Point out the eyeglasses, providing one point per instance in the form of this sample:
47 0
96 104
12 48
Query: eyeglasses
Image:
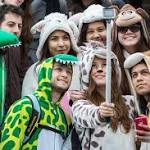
132 28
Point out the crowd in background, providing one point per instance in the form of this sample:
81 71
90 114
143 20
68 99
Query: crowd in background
60 69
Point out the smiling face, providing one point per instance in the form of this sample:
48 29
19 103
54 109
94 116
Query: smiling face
96 31
141 79
129 37
61 76
98 72
14 2
59 43
12 23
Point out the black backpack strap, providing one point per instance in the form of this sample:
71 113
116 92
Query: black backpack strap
33 122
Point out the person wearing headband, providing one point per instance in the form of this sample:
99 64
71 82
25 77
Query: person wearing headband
103 124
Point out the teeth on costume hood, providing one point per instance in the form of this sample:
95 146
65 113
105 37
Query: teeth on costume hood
65 61
12 45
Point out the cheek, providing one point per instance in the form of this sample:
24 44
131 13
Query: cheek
68 44
120 37
52 45
92 75
138 36
88 37
70 78
103 34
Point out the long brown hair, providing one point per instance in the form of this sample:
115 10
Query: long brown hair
26 36
118 50
120 106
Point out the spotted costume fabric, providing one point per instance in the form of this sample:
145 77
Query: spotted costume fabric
89 51
96 133
52 115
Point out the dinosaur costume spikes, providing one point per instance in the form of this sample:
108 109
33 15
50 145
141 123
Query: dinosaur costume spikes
54 114
8 39
65 59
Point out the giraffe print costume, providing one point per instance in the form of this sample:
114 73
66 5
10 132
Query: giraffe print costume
52 114
95 132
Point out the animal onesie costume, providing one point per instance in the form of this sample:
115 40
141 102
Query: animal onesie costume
51 23
53 114
130 62
95 133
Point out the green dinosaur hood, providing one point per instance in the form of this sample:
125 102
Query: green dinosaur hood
45 73
8 39
44 92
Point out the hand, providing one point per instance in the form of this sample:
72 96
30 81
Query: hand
77 95
107 110
143 135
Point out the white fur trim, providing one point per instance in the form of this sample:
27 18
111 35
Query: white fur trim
75 18
52 22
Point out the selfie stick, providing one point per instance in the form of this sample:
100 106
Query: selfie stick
109 13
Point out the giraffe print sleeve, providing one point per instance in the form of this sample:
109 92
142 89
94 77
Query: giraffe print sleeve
15 125
86 114
129 100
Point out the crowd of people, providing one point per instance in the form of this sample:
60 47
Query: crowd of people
53 68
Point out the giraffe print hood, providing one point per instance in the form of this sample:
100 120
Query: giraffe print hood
130 62
89 52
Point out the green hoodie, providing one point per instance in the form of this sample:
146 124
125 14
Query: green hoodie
52 115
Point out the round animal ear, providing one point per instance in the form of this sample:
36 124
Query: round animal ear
74 29
38 27
143 13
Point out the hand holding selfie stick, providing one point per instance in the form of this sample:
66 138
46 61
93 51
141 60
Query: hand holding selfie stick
109 14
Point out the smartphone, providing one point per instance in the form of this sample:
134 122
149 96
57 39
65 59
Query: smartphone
140 120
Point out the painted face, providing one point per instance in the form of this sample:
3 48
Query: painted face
59 42
61 76
97 32
129 37
14 2
98 71
12 23
141 79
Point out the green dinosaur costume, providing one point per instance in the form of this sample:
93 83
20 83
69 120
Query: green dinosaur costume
52 115
6 40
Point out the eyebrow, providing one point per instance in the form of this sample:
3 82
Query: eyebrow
61 65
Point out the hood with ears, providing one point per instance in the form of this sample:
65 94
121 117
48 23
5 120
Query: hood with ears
90 51
91 14
44 91
51 23
127 16
130 62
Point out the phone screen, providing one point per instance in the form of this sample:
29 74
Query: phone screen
109 13
140 120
